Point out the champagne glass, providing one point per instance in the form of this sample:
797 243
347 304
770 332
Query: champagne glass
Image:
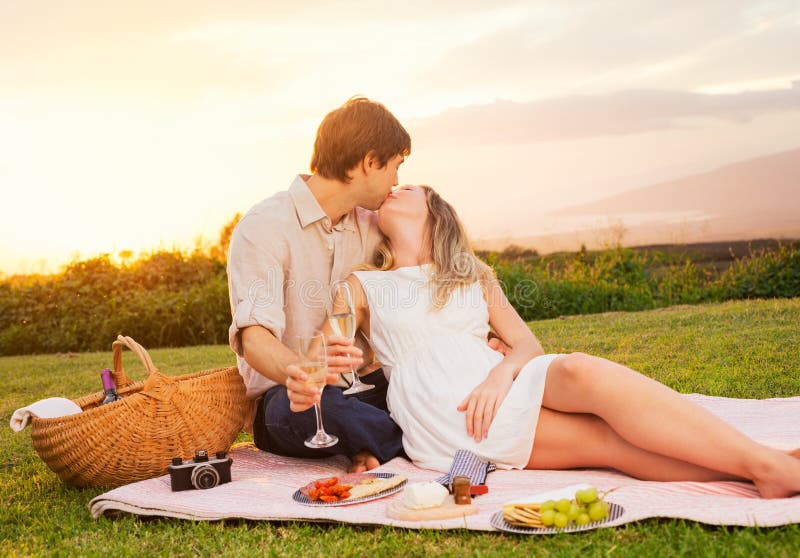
313 360
343 323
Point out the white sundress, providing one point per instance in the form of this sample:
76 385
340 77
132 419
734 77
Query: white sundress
434 358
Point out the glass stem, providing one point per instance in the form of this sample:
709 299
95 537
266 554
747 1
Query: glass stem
356 379
318 412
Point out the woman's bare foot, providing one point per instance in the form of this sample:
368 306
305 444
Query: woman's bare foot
781 477
363 461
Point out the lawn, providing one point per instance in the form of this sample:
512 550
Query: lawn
737 349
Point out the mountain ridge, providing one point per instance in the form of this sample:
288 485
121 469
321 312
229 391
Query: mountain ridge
743 200
720 190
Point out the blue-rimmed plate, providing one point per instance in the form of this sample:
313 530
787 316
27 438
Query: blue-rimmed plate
615 512
301 498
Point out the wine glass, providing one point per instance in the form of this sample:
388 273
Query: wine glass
313 360
343 323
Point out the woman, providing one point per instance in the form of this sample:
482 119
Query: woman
427 309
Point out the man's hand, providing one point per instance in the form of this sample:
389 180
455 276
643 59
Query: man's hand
343 356
497 344
482 404
303 394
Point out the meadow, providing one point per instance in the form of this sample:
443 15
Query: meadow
745 349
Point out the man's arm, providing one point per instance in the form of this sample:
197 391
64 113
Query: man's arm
264 353
272 359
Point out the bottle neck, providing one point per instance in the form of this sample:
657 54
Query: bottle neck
108 380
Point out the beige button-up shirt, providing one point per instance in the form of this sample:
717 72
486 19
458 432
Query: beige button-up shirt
284 256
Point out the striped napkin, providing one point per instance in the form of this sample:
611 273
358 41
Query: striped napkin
467 463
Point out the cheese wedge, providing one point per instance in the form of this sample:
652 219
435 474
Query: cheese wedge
422 495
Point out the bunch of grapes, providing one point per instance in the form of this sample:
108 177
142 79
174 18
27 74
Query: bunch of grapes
587 506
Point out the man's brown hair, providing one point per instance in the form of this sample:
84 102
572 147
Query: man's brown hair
351 132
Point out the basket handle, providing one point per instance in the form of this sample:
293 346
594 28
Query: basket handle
120 378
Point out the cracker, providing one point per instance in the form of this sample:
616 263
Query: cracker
374 486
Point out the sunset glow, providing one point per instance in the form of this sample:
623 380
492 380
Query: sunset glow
142 125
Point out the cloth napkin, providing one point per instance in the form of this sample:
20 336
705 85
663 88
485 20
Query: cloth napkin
46 408
467 463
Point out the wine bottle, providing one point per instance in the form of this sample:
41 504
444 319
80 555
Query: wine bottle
109 387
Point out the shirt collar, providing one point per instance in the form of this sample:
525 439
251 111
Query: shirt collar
308 208
306 205
347 223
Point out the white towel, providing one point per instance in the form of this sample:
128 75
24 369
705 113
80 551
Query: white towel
46 408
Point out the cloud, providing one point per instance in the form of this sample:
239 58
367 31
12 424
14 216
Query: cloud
38 28
602 46
125 50
584 116
185 50
440 54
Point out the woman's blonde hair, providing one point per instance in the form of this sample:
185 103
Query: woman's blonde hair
455 265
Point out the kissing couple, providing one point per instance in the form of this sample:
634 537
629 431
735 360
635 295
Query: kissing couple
440 383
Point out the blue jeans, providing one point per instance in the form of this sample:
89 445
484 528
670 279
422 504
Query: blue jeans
360 421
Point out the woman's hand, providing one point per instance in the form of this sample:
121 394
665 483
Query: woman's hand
343 355
482 403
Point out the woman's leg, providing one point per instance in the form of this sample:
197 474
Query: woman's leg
576 440
657 419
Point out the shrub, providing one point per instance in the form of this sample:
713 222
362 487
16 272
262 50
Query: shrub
177 299
765 274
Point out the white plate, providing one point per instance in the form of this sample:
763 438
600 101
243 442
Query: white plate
615 512
567 492
301 498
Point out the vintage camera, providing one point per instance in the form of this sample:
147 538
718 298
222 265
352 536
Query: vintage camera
202 472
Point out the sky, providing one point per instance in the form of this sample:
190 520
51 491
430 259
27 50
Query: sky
145 125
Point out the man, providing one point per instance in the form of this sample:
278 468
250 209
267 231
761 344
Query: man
285 254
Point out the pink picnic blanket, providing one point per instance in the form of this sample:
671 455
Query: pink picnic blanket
263 484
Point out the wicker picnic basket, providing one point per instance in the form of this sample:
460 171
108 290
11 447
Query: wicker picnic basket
137 437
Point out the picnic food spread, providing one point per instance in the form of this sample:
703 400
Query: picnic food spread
327 490
586 507
349 487
461 484
427 501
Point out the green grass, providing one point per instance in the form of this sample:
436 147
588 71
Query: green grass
735 349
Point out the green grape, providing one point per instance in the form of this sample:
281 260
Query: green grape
560 520
548 517
597 510
549 505
563 505
583 519
573 512
586 496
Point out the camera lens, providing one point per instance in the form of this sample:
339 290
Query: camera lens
205 476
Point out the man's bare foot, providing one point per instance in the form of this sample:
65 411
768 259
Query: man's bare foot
363 461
